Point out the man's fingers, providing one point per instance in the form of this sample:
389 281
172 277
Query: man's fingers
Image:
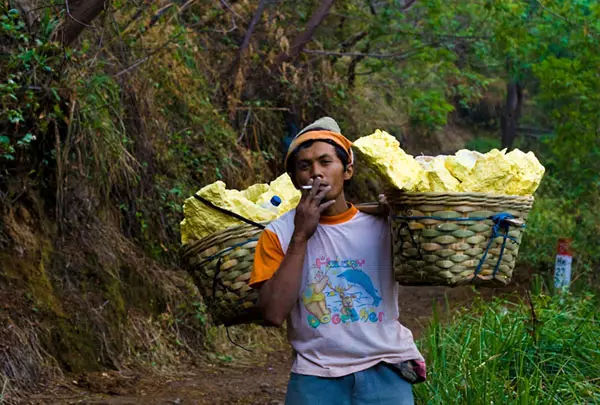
321 194
306 192
325 205
315 187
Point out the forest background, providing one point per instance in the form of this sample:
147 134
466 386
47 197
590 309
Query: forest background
113 112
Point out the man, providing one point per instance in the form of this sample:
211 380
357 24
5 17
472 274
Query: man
327 268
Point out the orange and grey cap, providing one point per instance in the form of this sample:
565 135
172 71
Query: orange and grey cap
322 129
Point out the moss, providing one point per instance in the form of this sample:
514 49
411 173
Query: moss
142 293
30 276
73 343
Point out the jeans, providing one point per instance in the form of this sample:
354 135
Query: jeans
380 385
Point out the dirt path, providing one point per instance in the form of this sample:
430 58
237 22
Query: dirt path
260 378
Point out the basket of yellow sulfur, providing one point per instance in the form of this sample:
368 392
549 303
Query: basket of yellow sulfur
219 235
220 265
445 238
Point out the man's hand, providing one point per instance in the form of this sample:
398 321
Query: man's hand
280 293
381 208
309 210
384 206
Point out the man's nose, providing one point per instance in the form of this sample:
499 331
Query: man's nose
316 172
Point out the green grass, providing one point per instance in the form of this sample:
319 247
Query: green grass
500 353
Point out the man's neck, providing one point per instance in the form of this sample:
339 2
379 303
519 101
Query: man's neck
339 207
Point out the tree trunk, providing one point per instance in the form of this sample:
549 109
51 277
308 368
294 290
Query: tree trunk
79 15
512 113
300 41
352 67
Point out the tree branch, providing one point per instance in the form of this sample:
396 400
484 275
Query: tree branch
407 4
80 14
304 37
397 56
145 58
250 31
350 42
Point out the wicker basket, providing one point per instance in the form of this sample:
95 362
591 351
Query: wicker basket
456 238
220 265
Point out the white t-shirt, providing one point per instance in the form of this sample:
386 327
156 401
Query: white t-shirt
346 318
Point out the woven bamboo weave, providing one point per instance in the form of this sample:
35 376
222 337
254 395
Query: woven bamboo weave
440 238
220 265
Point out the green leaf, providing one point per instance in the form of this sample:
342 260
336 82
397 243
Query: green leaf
25 140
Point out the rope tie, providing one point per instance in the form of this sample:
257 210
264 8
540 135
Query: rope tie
500 228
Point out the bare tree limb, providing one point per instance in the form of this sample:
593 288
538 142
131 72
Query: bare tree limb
555 14
300 41
350 42
407 4
398 56
250 31
145 58
228 7
75 19
235 66
80 14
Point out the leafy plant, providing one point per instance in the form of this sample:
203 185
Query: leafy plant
503 352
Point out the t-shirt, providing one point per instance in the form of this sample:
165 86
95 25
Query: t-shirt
346 318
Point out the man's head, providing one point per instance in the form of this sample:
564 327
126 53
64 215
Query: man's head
320 150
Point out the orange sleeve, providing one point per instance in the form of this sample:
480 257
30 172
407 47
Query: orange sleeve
267 258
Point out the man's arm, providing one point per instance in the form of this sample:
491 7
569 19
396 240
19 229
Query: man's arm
279 294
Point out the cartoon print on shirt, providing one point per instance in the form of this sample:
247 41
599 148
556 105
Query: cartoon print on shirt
353 298
347 302
314 299
363 280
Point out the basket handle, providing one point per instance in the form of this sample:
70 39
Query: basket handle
373 208
230 213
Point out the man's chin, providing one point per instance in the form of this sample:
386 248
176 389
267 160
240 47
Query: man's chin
329 197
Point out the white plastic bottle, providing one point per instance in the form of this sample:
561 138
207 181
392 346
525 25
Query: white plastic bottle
273 204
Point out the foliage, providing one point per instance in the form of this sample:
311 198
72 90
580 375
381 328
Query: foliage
101 142
27 102
502 352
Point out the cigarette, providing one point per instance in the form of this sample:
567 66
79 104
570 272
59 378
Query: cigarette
306 187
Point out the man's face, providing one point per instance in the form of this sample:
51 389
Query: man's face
320 160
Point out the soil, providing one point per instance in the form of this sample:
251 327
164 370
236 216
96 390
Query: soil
262 377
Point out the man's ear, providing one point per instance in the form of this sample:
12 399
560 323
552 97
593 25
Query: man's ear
349 172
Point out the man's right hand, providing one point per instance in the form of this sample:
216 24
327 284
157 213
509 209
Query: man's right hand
309 210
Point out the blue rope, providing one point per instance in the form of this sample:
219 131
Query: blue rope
500 222
445 219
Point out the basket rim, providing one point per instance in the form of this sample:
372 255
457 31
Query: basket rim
221 236
457 194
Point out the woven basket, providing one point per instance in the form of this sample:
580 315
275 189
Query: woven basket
446 238
220 265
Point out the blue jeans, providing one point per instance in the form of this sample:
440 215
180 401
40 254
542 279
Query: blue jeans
379 385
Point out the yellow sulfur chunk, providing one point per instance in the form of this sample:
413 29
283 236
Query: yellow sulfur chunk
439 177
255 191
461 164
201 220
382 153
284 188
529 173
492 173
